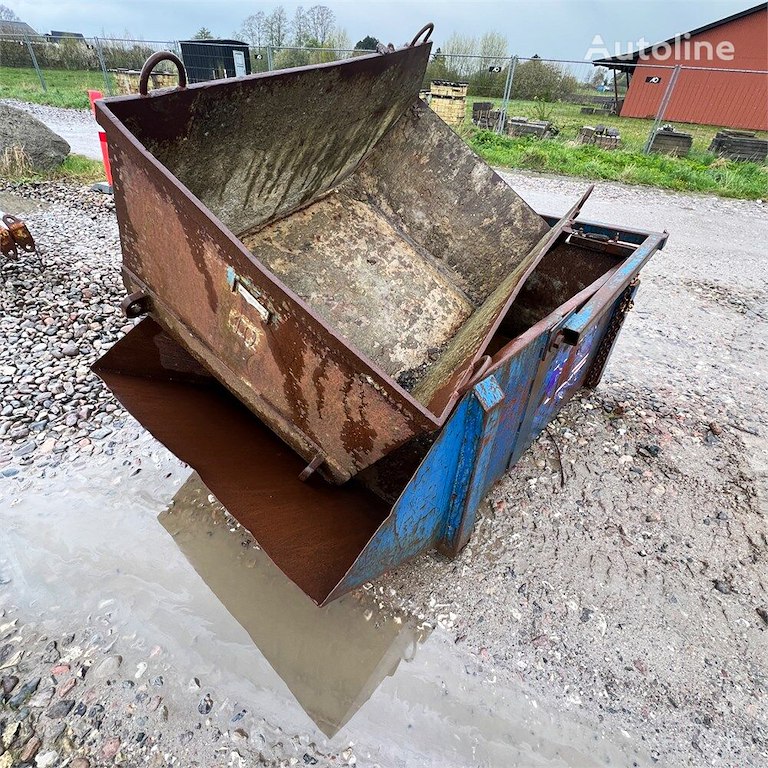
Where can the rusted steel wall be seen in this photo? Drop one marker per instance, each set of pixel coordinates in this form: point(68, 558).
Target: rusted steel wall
point(200, 171)
point(723, 98)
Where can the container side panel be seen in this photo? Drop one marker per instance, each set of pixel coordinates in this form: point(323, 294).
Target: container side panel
point(567, 367)
point(253, 149)
point(260, 343)
point(515, 377)
point(418, 518)
point(447, 200)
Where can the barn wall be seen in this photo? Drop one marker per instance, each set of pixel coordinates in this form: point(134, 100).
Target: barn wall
point(730, 99)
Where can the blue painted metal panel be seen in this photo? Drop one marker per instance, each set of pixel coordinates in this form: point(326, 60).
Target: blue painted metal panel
point(604, 298)
point(516, 376)
point(432, 510)
point(491, 427)
point(468, 488)
point(566, 370)
point(418, 518)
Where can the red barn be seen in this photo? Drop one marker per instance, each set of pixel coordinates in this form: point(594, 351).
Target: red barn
point(723, 80)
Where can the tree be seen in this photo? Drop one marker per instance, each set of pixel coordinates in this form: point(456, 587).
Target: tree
point(542, 80)
point(494, 45)
point(339, 40)
point(599, 77)
point(299, 27)
point(437, 69)
point(277, 27)
point(459, 61)
point(203, 34)
point(253, 30)
point(368, 43)
point(7, 14)
point(321, 21)
point(493, 53)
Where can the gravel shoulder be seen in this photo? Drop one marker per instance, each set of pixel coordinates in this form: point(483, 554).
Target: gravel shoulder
point(619, 572)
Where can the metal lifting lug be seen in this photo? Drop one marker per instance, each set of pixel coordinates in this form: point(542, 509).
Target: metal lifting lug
point(135, 305)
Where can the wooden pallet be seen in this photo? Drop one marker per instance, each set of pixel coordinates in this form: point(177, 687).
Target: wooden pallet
point(449, 100)
point(739, 145)
point(674, 143)
point(588, 135)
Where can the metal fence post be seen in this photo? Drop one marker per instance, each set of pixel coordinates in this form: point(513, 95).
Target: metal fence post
point(502, 122)
point(102, 64)
point(662, 108)
point(35, 64)
point(269, 58)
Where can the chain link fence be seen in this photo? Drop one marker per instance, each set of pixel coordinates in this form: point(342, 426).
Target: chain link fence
point(622, 108)
point(532, 98)
point(61, 70)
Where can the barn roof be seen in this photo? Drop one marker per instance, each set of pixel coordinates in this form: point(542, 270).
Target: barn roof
point(621, 62)
point(16, 29)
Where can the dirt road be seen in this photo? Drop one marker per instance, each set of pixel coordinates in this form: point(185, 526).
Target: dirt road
point(611, 605)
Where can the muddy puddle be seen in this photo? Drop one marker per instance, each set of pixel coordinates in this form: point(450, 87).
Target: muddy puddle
point(152, 558)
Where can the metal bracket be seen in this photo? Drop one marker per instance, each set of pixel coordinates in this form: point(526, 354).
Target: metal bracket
point(488, 393)
point(18, 232)
point(7, 243)
point(246, 289)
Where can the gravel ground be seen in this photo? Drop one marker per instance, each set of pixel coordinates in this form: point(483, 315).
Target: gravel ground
point(60, 307)
point(77, 127)
point(620, 570)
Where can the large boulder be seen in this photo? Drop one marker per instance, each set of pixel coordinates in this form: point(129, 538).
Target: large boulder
point(45, 149)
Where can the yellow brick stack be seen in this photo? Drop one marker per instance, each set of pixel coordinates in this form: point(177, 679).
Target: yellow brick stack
point(449, 100)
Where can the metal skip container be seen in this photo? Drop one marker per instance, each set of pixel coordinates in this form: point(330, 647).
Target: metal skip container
point(355, 325)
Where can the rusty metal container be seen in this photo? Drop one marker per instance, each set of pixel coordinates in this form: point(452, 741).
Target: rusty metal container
point(355, 326)
point(328, 539)
point(339, 263)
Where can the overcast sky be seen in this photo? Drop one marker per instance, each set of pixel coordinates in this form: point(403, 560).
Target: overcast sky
point(550, 28)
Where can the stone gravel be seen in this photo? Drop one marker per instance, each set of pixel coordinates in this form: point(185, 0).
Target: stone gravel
point(619, 569)
point(59, 311)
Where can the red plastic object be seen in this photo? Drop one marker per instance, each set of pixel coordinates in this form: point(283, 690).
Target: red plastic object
point(93, 96)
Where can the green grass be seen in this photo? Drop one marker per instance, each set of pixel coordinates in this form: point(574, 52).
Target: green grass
point(79, 168)
point(66, 88)
point(699, 172)
point(569, 120)
point(75, 168)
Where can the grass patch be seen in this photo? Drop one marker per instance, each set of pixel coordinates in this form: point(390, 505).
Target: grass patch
point(66, 88)
point(14, 163)
point(568, 118)
point(76, 168)
point(79, 168)
point(699, 172)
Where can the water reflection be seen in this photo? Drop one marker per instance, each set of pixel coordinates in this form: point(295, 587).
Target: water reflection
point(333, 658)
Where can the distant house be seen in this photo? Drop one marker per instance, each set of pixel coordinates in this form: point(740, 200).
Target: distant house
point(54, 36)
point(16, 29)
point(710, 94)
